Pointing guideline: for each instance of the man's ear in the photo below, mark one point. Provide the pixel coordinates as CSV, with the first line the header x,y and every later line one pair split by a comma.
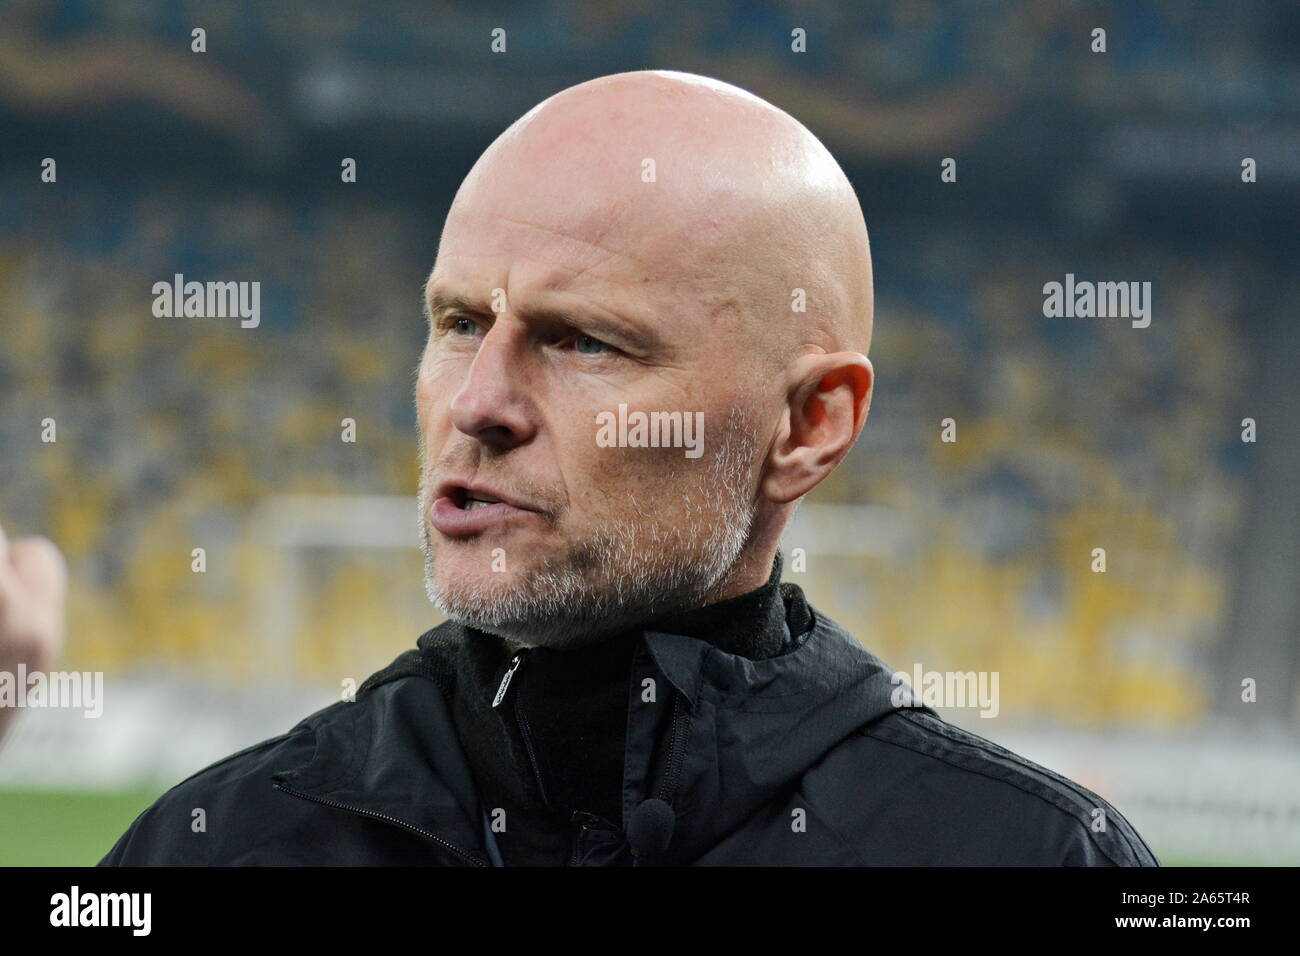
x,y
827,409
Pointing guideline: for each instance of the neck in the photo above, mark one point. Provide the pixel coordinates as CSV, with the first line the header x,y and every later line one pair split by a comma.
x,y
762,550
750,573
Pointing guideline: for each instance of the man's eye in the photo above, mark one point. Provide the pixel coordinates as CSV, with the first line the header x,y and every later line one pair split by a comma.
x,y
588,345
463,326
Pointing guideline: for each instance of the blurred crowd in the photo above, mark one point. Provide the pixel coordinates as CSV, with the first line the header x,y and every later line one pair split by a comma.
x,y
169,432
1070,435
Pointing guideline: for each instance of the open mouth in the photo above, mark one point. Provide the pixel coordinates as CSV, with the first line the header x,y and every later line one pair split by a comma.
x,y
467,500
459,511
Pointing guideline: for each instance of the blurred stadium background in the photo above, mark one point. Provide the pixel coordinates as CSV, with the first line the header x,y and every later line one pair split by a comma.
x,y
1073,434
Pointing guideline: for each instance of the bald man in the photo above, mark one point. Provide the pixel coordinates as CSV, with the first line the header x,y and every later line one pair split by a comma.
x,y
648,326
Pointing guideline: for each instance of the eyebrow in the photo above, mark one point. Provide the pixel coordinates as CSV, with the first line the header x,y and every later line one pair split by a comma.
x,y
621,329
439,303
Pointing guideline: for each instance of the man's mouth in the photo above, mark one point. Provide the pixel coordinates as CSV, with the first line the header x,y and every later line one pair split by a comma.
x,y
460,511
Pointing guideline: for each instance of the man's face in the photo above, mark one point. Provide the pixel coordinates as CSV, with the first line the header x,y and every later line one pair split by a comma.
x,y
544,316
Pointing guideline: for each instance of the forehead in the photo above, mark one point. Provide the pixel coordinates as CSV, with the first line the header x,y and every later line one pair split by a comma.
x,y
560,248
613,256
538,270
517,212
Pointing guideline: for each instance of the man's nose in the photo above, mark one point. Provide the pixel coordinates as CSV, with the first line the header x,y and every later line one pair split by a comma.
x,y
492,405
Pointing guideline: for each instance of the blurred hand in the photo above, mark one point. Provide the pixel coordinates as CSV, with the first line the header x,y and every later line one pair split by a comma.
x,y
33,586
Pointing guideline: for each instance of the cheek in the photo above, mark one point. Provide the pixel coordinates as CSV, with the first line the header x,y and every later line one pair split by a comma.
x,y
641,484
424,403
435,383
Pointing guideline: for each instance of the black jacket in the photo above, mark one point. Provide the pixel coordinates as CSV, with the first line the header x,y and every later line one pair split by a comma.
x,y
796,759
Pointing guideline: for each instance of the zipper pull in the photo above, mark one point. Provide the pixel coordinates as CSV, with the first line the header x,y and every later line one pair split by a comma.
x,y
590,821
505,681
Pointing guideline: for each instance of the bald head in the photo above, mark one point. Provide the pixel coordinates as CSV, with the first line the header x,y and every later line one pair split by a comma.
x,y
643,248
698,179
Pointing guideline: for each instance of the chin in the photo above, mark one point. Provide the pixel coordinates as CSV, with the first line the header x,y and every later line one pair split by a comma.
x,y
459,585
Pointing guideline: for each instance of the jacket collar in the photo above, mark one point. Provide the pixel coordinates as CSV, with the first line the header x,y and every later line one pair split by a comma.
x,y
743,731
756,726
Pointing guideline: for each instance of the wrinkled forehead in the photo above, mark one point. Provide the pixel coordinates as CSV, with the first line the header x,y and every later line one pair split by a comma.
x,y
607,235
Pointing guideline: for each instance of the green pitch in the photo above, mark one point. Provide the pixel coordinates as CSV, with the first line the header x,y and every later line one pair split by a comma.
x,y
65,827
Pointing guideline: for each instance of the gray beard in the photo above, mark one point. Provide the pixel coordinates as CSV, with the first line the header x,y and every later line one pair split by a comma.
x,y
633,570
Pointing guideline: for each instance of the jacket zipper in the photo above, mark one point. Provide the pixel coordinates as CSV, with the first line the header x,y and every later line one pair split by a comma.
x,y
587,821
676,739
524,731
505,681
676,746
677,733
457,851
532,754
